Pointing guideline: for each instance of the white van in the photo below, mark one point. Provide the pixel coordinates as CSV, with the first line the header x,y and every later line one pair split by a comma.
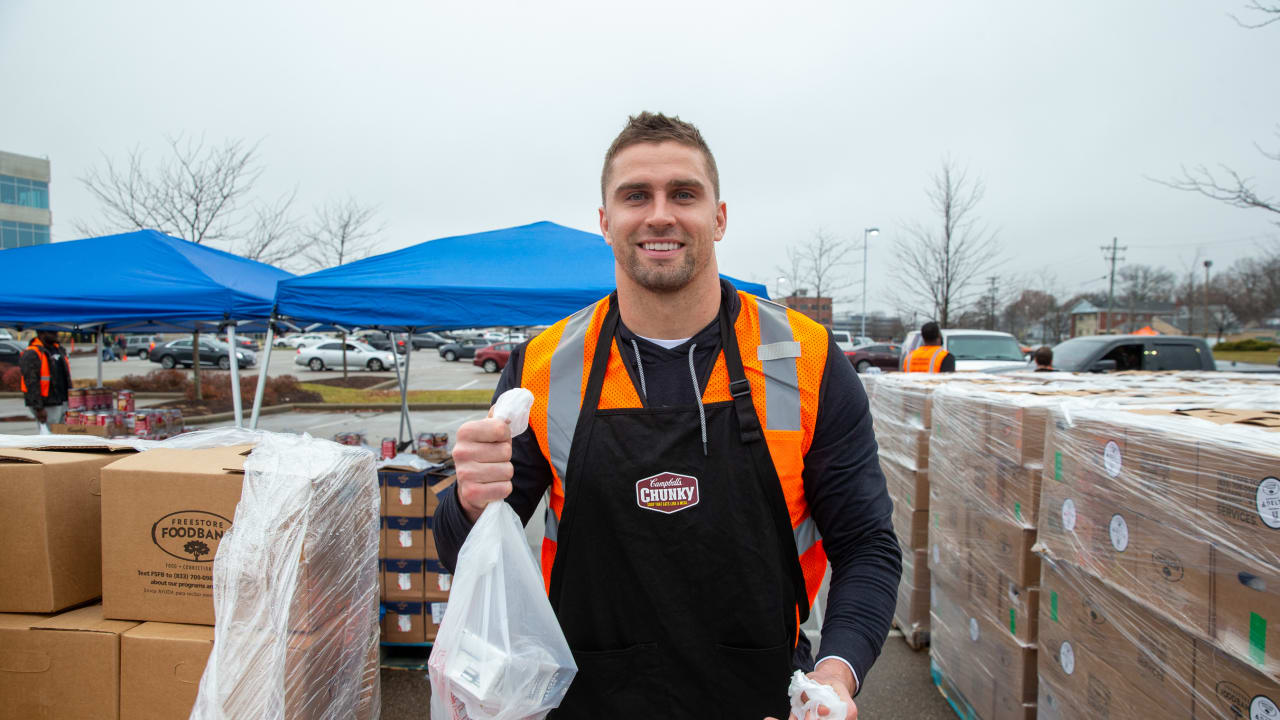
x,y
974,350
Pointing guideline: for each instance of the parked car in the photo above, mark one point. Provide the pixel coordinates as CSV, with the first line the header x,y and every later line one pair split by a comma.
x,y
212,352
6,335
304,339
10,351
377,340
246,343
494,357
358,354
975,350
1107,353
843,340
884,356
428,340
141,346
465,348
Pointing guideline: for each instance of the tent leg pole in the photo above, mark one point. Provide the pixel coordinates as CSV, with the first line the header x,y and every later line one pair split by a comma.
x,y
262,379
101,329
236,403
404,396
395,359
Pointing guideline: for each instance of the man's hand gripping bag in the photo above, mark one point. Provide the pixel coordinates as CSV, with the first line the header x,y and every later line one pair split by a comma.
x,y
500,653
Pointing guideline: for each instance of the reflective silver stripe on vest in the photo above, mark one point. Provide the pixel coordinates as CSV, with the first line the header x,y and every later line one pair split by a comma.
x,y
807,536
782,390
565,393
552,529
777,351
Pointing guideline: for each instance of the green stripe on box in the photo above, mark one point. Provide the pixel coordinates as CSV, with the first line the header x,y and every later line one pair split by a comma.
x,y
1013,621
909,500
1257,639
1053,605
1017,511
1057,466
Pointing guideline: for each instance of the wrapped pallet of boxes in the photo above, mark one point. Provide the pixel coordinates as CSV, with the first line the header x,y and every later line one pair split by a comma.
x,y
1160,530
415,586
901,410
985,577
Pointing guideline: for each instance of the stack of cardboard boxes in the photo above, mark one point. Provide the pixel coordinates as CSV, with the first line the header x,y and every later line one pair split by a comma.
x,y
415,586
1161,535
902,413
985,457
142,650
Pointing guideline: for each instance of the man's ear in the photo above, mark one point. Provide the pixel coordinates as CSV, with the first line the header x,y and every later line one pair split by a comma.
x,y
604,226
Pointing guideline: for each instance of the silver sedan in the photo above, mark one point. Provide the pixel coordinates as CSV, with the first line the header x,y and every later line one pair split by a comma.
x,y
329,355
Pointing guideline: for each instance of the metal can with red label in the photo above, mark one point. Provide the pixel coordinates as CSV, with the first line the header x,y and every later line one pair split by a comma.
x,y
388,448
75,400
141,424
104,419
440,440
124,401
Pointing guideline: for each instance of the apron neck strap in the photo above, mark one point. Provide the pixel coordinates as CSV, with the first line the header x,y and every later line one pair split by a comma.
x,y
600,361
739,388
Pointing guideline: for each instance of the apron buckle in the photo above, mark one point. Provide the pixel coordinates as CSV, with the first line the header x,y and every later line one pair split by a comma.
x,y
738,388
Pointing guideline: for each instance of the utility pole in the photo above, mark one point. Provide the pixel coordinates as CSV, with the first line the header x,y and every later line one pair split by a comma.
x,y
991,302
1207,265
1111,291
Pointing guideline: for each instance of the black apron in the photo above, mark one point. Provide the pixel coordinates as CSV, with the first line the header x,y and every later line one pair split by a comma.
x,y
676,576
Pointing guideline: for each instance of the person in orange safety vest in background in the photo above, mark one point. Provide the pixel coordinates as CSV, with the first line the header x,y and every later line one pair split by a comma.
x,y
930,357
46,377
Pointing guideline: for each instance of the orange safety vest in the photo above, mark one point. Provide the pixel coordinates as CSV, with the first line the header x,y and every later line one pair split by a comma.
x,y
784,355
926,359
46,375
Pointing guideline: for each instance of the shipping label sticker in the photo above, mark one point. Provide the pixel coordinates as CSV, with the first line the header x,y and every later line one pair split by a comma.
x,y
973,629
406,538
444,581
1111,460
1069,515
1263,708
667,492
1268,500
437,612
406,496
1119,533
403,581
1067,658
404,623
937,556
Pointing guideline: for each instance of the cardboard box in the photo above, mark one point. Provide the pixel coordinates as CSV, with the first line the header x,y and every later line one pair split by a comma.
x,y
906,446
167,511
1016,492
61,666
906,486
1015,432
912,528
408,538
404,492
415,580
912,609
1238,492
412,622
51,533
993,593
1001,542
160,669
1228,688
102,431
1244,613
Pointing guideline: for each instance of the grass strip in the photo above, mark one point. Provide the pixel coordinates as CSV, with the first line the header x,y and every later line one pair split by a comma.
x,y
351,395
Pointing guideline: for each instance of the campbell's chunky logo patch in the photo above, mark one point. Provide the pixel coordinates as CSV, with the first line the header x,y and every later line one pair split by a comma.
x,y
190,534
667,492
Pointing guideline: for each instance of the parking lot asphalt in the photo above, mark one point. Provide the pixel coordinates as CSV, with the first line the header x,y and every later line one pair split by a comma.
x,y
427,370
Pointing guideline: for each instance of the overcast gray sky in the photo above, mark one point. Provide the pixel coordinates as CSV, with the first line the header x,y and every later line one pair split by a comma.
x,y
461,117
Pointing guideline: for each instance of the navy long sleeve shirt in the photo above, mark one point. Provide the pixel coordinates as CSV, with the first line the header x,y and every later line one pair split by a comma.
x,y
843,486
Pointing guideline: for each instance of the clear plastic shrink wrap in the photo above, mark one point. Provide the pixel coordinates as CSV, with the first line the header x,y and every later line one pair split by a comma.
x,y
1160,533
296,588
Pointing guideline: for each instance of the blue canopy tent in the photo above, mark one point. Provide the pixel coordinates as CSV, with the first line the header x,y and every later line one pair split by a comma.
x,y
141,281
528,275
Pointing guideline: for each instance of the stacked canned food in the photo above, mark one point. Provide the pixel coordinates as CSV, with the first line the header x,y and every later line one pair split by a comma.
x,y
433,440
94,399
355,437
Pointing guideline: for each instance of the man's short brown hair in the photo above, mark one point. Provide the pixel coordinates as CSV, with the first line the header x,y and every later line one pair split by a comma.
x,y
650,127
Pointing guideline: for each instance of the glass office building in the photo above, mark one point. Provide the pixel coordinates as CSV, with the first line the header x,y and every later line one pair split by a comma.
x,y
25,218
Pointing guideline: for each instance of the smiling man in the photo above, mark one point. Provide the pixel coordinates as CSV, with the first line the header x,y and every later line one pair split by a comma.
x,y
705,451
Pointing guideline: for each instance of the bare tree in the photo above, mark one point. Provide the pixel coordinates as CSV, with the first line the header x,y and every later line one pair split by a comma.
x,y
940,263
1141,285
1228,186
817,263
196,193
1253,288
274,236
342,231
1270,13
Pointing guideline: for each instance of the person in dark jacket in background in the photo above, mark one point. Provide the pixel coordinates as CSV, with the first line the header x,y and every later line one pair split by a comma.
x,y
46,377
1044,359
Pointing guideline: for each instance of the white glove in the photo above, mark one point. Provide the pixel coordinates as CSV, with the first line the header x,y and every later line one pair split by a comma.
x,y
818,693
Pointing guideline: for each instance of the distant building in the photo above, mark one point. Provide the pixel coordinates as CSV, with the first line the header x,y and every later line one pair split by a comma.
x,y
814,307
24,201
879,325
1089,319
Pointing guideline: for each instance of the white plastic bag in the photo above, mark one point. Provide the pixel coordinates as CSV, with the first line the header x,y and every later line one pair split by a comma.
x,y
500,653
818,695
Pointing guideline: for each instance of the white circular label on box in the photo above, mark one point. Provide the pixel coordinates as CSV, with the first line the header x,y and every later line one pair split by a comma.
x,y
1067,658
1263,708
937,557
973,629
1111,461
1268,499
1119,533
1069,515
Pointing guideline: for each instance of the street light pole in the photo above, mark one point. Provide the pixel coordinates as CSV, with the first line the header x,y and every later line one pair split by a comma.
x,y
1207,265
867,234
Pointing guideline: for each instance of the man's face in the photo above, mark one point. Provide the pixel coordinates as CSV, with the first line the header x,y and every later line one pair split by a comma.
x,y
661,215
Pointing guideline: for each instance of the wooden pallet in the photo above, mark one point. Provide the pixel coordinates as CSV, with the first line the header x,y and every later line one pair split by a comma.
x,y
405,656
917,640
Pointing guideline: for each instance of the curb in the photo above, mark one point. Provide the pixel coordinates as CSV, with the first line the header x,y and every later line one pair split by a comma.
x,y
326,407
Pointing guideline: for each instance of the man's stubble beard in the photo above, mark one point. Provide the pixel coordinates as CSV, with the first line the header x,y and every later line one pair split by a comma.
x,y
661,279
